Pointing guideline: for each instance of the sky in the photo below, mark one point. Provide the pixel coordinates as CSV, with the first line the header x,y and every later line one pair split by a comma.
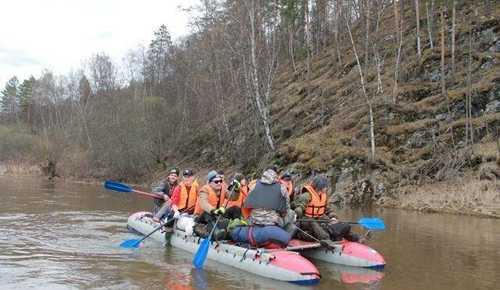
x,y
60,35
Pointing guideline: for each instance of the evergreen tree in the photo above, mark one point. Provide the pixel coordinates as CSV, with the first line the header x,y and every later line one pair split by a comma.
x,y
158,59
8,102
25,97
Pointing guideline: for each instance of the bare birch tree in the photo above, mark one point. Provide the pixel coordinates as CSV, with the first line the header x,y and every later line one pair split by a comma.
x,y
453,37
469,131
259,76
308,36
399,33
417,17
429,21
367,99
338,11
444,92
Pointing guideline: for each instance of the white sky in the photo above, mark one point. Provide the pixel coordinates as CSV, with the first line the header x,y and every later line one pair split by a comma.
x,y
59,34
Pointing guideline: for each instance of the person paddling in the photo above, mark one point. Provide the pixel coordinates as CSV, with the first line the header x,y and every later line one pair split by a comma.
x,y
312,204
165,188
209,205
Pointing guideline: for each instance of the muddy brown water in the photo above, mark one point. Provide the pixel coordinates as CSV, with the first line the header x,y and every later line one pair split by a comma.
x,y
66,236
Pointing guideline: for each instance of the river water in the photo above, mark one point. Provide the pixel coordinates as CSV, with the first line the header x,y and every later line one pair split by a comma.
x,y
62,235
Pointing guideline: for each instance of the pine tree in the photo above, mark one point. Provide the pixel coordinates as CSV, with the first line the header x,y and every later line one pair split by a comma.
x,y
24,98
8,102
157,68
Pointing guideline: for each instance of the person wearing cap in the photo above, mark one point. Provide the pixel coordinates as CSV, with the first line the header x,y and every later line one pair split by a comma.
x,y
185,195
312,203
166,188
209,205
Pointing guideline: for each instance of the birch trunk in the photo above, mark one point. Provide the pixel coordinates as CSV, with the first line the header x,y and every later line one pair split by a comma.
x,y
367,38
443,72
429,25
399,31
261,106
453,38
417,16
469,131
368,100
307,31
337,24
291,49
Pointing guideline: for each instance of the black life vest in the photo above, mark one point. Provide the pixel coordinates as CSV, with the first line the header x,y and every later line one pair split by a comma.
x,y
266,196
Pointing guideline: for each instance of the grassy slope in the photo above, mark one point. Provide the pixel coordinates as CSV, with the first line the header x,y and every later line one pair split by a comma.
x,y
323,125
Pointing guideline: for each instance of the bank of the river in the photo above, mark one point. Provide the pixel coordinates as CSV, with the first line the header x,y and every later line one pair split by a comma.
x,y
473,194
468,195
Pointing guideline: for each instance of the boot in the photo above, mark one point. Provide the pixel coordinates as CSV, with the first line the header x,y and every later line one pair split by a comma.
x,y
201,230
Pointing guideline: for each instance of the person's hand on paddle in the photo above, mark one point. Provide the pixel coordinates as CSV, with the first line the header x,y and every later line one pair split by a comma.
x,y
166,197
234,185
176,215
218,211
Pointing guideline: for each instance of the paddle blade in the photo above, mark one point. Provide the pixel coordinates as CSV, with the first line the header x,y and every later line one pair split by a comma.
x,y
372,223
130,244
116,186
201,255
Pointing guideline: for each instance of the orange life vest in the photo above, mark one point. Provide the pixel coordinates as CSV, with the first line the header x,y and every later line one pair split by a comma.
x,y
244,190
213,199
245,212
242,195
187,200
317,206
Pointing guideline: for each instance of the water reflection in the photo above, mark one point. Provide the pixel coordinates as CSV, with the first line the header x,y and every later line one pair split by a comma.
x,y
57,235
353,275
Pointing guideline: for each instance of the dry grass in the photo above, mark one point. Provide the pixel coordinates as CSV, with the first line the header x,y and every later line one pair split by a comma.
x,y
467,195
407,128
488,150
19,169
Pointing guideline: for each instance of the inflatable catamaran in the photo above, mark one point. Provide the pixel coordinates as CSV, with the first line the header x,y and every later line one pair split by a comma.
x,y
280,264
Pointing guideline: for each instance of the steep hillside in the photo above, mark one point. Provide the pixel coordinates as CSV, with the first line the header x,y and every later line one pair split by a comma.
x,y
322,124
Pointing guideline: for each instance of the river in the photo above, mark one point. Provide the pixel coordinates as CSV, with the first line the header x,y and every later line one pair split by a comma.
x,y
63,235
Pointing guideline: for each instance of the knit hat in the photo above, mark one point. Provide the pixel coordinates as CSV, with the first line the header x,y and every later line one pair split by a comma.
x,y
320,182
211,175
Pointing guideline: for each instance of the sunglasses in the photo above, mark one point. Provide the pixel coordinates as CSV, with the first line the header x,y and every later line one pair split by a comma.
x,y
218,181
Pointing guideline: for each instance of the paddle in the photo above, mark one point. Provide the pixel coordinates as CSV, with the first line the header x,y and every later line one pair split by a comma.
x,y
201,254
120,187
133,243
374,223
